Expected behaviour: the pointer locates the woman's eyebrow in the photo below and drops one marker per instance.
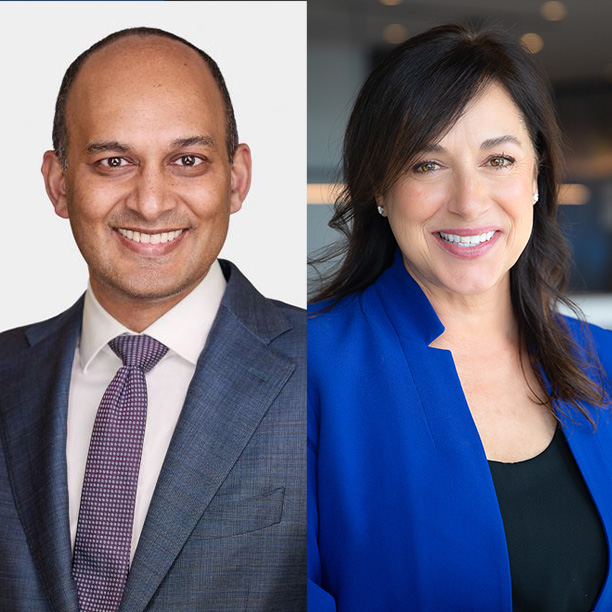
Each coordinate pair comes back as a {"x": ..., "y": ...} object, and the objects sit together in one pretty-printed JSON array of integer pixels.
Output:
[{"x": 490, "y": 143}]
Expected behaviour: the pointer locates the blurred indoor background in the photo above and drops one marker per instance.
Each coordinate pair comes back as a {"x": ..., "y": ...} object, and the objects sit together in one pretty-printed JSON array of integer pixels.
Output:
[{"x": 574, "y": 42}]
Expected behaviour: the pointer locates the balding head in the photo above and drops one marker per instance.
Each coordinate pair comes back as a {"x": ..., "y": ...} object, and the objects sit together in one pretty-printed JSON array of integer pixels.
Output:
[{"x": 119, "y": 48}]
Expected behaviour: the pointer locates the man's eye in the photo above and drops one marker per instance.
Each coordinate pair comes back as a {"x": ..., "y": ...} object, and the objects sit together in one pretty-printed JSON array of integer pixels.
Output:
[
  {"x": 189, "y": 160},
  {"x": 113, "y": 162}
]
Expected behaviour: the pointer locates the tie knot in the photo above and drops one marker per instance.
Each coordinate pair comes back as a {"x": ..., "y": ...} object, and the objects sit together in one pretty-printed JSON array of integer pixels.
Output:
[{"x": 138, "y": 351}]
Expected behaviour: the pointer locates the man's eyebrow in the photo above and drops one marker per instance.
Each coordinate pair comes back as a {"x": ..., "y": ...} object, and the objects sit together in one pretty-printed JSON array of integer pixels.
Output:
[
  {"x": 108, "y": 145},
  {"x": 491, "y": 143},
  {"x": 182, "y": 143},
  {"x": 179, "y": 143}
]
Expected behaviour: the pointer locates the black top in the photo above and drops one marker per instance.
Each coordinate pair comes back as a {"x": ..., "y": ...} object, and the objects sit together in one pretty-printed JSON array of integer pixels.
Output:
[{"x": 556, "y": 544}]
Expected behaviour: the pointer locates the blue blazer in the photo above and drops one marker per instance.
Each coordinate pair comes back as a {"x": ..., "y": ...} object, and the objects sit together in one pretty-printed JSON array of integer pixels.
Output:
[
  {"x": 402, "y": 511},
  {"x": 226, "y": 528}
]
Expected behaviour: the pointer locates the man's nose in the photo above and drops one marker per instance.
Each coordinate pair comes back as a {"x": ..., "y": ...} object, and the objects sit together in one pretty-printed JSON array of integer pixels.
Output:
[
  {"x": 152, "y": 193},
  {"x": 469, "y": 198}
]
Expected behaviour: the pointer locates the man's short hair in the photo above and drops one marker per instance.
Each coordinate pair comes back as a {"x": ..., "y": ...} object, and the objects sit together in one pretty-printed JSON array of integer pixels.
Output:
[{"x": 60, "y": 133}]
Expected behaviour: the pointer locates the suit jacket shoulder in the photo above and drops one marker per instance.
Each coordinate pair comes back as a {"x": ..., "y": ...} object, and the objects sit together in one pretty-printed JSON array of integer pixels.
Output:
[{"x": 13, "y": 341}]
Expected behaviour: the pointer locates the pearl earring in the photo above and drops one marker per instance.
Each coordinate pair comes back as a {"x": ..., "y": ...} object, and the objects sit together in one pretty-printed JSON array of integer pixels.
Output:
[
  {"x": 380, "y": 210},
  {"x": 536, "y": 197}
]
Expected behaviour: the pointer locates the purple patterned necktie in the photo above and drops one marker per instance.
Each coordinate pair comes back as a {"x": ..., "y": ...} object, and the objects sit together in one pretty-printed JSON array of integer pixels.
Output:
[{"x": 104, "y": 531}]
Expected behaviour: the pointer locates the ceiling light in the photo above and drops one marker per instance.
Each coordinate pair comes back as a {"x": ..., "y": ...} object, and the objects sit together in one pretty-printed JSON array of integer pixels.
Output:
[
  {"x": 533, "y": 42},
  {"x": 322, "y": 193},
  {"x": 575, "y": 194},
  {"x": 390, "y": 2},
  {"x": 395, "y": 33},
  {"x": 553, "y": 10}
]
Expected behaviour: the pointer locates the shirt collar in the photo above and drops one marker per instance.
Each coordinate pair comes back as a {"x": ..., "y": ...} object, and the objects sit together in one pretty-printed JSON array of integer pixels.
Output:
[{"x": 183, "y": 329}]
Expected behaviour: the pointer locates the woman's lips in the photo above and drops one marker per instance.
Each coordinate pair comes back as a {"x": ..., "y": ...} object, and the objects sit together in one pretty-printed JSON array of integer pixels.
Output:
[{"x": 467, "y": 244}]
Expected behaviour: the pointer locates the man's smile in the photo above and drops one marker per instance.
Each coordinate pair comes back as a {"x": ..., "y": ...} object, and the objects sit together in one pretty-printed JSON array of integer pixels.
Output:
[
  {"x": 150, "y": 238},
  {"x": 150, "y": 244}
]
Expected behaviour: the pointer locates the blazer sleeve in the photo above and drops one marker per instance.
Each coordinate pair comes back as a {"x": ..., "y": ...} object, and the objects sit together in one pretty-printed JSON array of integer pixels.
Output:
[{"x": 319, "y": 600}]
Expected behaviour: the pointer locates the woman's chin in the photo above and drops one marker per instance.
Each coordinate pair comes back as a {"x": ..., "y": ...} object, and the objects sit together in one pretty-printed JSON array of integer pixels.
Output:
[{"x": 473, "y": 285}]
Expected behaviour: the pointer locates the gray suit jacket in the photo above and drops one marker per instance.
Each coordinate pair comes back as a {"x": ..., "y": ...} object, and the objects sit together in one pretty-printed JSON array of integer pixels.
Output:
[{"x": 226, "y": 526}]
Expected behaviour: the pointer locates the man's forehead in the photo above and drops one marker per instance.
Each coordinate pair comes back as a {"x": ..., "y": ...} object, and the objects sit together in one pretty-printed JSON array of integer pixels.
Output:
[
  {"x": 142, "y": 87},
  {"x": 142, "y": 57}
]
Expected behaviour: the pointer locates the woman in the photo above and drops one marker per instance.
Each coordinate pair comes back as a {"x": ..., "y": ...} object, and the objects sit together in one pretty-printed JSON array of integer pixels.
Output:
[{"x": 460, "y": 446}]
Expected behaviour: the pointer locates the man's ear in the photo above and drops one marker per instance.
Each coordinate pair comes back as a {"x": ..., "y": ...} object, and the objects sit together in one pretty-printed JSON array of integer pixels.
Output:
[
  {"x": 241, "y": 177},
  {"x": 55, "y": 183}
]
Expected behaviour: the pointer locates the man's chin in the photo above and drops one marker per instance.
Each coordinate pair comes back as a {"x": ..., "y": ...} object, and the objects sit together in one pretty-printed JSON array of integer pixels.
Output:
[{"x": 146, "y": 291}]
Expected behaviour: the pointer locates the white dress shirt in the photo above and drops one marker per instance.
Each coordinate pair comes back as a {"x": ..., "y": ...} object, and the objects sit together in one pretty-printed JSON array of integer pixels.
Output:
[{"x": 184, "y": 330}]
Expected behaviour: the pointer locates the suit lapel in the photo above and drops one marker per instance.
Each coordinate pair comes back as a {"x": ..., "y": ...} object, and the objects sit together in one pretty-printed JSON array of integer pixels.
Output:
[
  {"x": 237, "y": 378},
  {"x": 33, "y": 409},
  {"x": 459, "y": 463}
]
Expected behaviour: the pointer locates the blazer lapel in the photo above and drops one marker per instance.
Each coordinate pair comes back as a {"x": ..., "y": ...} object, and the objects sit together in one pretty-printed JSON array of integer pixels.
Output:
[
  {"x": 33, "y": 409},
  {"x": 459, "y": 456},
  {"x": 237, "y": 378}
]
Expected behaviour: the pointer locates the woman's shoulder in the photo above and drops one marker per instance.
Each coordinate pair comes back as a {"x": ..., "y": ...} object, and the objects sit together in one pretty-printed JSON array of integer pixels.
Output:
[
  {"x": 331, "y": 316},
  {"x": 585, "y": 332},
  {"x": 337, "y": 329},
  {"x": 593, "y": 340}
]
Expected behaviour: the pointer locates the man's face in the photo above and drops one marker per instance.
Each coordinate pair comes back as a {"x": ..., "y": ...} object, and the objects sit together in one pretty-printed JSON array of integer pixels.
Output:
[{"x": 148, "y": 187}]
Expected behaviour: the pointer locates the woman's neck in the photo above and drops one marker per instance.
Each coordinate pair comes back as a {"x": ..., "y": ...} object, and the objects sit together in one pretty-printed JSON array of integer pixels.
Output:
[{"x": 476, "y": 322}]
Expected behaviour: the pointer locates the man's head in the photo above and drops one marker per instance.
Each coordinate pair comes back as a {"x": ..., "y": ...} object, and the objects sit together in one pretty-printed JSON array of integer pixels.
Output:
[
  {"x": 146, "y": 167},
  {"x": 60, "y": 135}
]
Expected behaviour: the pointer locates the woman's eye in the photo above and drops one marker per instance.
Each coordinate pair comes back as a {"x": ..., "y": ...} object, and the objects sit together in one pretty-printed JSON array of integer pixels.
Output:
[
  {"x": 189, "y": 160},
  {"x": 426, "y": 167},
  {"x": 500, "y": 162}
]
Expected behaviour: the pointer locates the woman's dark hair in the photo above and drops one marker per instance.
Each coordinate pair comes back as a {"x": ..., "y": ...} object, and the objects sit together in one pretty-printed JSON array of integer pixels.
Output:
[{"x": 409, "y": 101}]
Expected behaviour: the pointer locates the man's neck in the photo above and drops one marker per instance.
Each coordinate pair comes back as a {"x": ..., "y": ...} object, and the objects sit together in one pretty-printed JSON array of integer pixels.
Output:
[{"x": 136, "y": 313}]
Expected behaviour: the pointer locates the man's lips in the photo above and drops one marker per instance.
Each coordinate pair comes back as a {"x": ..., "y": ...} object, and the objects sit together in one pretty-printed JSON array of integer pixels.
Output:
[
  {"x": 148, "y": 237},
  {"x": 150, "y": 244}
]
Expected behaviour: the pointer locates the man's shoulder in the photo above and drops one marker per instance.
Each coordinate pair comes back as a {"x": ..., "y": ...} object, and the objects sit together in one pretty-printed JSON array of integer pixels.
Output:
[
  {"x": 266, "y": 317},
  {"x": 295, "y": 314},
  {"x": 15, "y": 341}
]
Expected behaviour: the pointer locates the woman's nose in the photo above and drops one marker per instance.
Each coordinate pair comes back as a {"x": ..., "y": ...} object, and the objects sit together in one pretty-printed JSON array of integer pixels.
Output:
[{"x": 469, "y": 197}]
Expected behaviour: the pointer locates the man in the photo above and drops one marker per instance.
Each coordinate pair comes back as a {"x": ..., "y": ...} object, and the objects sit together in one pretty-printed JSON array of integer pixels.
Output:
[{"x": 152, "y": 436}]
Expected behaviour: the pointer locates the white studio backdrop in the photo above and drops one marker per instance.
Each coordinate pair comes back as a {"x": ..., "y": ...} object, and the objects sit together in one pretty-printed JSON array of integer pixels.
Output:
[{"x": 260, "y": 48}]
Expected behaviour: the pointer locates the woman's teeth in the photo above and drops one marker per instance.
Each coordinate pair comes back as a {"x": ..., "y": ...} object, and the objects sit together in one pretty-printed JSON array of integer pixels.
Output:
[{"x": 467, "y": 241}]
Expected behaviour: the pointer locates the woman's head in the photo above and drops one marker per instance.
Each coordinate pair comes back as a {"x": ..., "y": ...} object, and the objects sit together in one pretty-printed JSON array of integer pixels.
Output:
[
  {"x": 415, "y": 95},
  {"x": 425, "y": 100},
  {"x": 462, "y": 211},
  {"x": 407, "y": 105}
]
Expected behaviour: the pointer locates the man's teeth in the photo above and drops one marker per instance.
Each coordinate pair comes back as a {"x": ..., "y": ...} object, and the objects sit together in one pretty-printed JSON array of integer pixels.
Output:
[
  {"x": 467, "y": 241},
  {"x": 161, "y": 238}
]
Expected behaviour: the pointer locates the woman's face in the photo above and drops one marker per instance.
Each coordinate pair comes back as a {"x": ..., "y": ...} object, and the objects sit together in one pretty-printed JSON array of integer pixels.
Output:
[{"x": 463, "y": 212}]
